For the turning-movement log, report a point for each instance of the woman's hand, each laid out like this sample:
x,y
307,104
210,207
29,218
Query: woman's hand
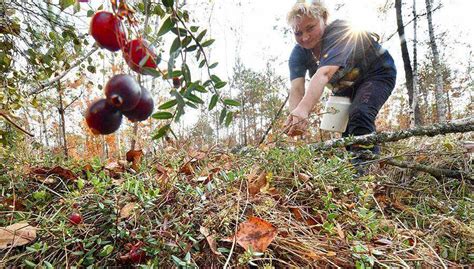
x,y
297,122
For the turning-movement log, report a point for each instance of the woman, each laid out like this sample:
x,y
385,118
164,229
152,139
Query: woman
x,y
350,62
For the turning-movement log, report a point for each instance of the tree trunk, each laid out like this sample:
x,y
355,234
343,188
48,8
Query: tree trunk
x,y
417,117
134,136
439,92
405,57
45,129
63,120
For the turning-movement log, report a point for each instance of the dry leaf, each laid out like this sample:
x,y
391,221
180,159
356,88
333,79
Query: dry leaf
x,y
18,234
255,186
340,232
211,240
303,177
383,241
135,157
128,210
297,213
43,174
187,169
255,233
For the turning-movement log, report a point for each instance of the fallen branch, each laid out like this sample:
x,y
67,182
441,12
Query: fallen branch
x,y
436,172
459,126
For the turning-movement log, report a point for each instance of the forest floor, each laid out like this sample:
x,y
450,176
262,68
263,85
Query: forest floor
x,y
270,207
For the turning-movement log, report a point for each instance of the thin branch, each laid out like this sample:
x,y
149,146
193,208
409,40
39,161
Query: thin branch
x,y
413,19
73,100
5,116
47,83
274,120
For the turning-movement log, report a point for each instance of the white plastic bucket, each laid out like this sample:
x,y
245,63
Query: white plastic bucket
x,y
336,114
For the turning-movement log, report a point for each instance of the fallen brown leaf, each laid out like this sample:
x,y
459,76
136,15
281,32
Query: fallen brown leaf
x,y
135,157
17,234
255,233
211,240
128,210
257,184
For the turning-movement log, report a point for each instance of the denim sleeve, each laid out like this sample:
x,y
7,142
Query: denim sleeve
x,y
297,63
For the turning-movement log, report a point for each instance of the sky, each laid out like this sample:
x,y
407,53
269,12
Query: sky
x,y
254,29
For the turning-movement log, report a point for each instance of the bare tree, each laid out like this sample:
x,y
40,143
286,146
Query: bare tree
x,y
439,88
415,112
417,118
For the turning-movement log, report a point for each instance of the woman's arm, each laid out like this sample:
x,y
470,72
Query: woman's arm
x,y
315,89
296,92
297,121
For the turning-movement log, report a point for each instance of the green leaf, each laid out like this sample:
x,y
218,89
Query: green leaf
x,y
158,11
171,61
166,26
194,28
161,132
186,73
228,118
168,104
213,65
106,250
200,88
152,72
191,48
193,98
91,68
168,3
215,78
222,116
162,115
191,105
220,84
48,265
231,102
202,63
63,4
179,31
201,35
175,46
213,101
208,42
186,41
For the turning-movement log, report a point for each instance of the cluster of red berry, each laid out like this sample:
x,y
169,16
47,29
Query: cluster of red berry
x,y
124,95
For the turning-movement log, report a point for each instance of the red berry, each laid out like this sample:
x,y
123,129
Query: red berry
x,y
176,82
123,92
75,218
103,118
107,30
144,108
139,54
136,255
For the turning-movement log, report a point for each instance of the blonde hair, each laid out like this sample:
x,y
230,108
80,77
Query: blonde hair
x,y
314,8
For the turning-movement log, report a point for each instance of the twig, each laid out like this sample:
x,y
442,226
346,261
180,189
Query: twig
x,y
428,245
47,83
234,241
274,120
5,116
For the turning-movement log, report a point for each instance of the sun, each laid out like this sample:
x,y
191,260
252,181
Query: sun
x,y
361,17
